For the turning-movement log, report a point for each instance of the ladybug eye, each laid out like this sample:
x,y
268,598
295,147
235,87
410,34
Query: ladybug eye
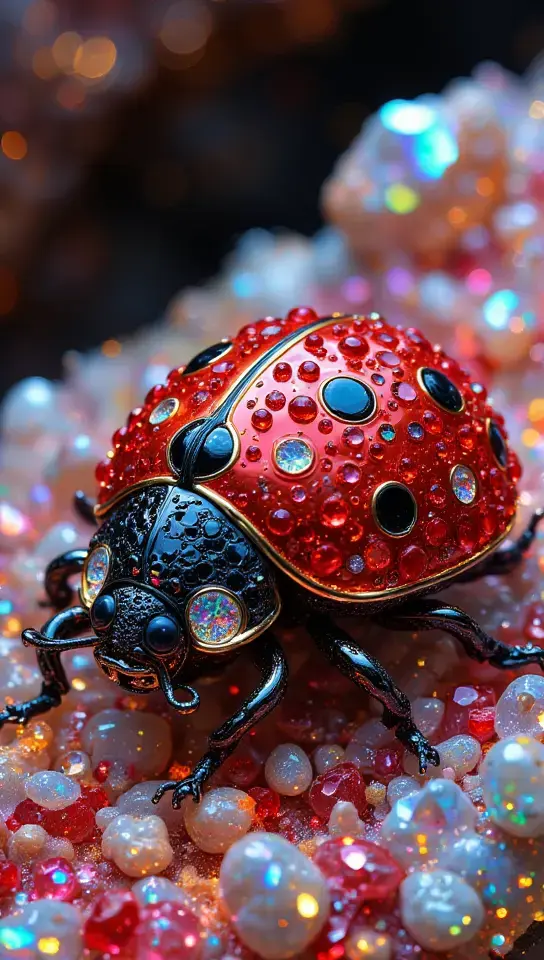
x,y
205,357
215,453
103,611
162,635
348,399
440,389
498,444
394,509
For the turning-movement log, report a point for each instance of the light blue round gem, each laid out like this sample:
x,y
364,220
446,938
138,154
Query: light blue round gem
x,y
293,456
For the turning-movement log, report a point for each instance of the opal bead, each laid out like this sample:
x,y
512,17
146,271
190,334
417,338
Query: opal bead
x,y
222,817
288,770
440,910
513,785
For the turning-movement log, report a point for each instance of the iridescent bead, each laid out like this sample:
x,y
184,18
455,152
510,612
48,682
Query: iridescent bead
x,y
40,929
440,910
288,770
222,817
137,847
96,572
164,410
520,709
52,790
276,897
293,456
214,616
513,785
463,484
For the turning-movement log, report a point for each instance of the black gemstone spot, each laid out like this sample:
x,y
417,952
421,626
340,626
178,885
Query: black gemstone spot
x,y
498,444
182,447
103,611
441,390
162,635
395,509
236,553
215,453
348,399
236,581
207,356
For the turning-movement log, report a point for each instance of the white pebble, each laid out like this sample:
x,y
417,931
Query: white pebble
x,y
361,755
138,847
27,842
47,921
344,820
141,739
401,787
59,847
513,785
427,713
440,909
138,802
105,816
288,770
222,817
327,756
367,944
521,708
373,733
276,897
462,753
52,790
12,791
151,890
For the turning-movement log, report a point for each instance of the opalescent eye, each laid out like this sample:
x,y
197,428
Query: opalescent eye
x,y
162,635
103,611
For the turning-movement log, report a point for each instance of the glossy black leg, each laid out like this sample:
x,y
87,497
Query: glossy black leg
x,y
84,506
57,588
426,614
55,684
269,657
369,674
505,560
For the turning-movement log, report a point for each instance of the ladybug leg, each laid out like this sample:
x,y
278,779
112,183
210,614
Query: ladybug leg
x,y
55,684
506,560
84,507
273,665
57,588
368,673
432,615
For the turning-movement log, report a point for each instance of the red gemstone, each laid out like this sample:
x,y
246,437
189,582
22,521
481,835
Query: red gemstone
x,y
309,371
302,409
54,879
302,315
10,878
353,346
326,559
412,563
25,812
377,555
243,768
343,782
261,420
481,723
436,531
267,802
112,923
280,522
460,704
167,931
275,400
334,511
282,372
388,762
95,796
253,453
314,341
75,822
359,867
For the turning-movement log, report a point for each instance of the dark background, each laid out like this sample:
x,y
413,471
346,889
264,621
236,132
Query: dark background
x,y
243,137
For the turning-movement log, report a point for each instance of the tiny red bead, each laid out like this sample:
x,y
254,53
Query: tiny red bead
x,y
95,796
309,371
302,409
326,559
302,315
54,879
343,782
359,867
267,802
280,522
275,400
253,453
112,923
481,723
412,563
353,346
282,372
10,878
262,420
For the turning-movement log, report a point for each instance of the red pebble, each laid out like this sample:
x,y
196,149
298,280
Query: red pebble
x,y
54,879
343,782
102,771
243,768
95,796
267,802
388,762
25,812
168,931
112,923
358,867
481,723
10,878
459,705
75,822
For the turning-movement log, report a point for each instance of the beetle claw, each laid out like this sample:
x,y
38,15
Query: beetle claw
x,y
190,786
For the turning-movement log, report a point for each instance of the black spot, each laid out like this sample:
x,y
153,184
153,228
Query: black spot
x,y
207,356
395,509
162,635
441,390
215,453
349,400
181,449
103,611
498,444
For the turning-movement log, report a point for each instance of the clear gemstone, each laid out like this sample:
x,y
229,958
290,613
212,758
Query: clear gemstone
x,y
96,571
355,564
293,456
164,410
463,483
214,617
387,432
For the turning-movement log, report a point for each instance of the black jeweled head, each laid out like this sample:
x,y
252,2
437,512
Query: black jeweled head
x,y
168,579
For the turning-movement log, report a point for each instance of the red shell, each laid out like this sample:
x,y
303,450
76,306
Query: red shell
x,y
319,527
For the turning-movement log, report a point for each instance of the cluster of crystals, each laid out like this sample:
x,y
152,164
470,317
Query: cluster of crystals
x,y
442,197
306,476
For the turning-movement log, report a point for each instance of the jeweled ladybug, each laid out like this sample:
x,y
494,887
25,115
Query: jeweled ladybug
x,y
338,466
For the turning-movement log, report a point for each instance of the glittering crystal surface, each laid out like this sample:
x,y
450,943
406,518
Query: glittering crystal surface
x,y
163,411
463,484
214,617
293,456
96,572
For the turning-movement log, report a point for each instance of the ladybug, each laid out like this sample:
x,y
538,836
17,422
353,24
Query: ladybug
x,y
335,466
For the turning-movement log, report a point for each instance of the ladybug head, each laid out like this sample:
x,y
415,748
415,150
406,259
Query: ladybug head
x,y
142,643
